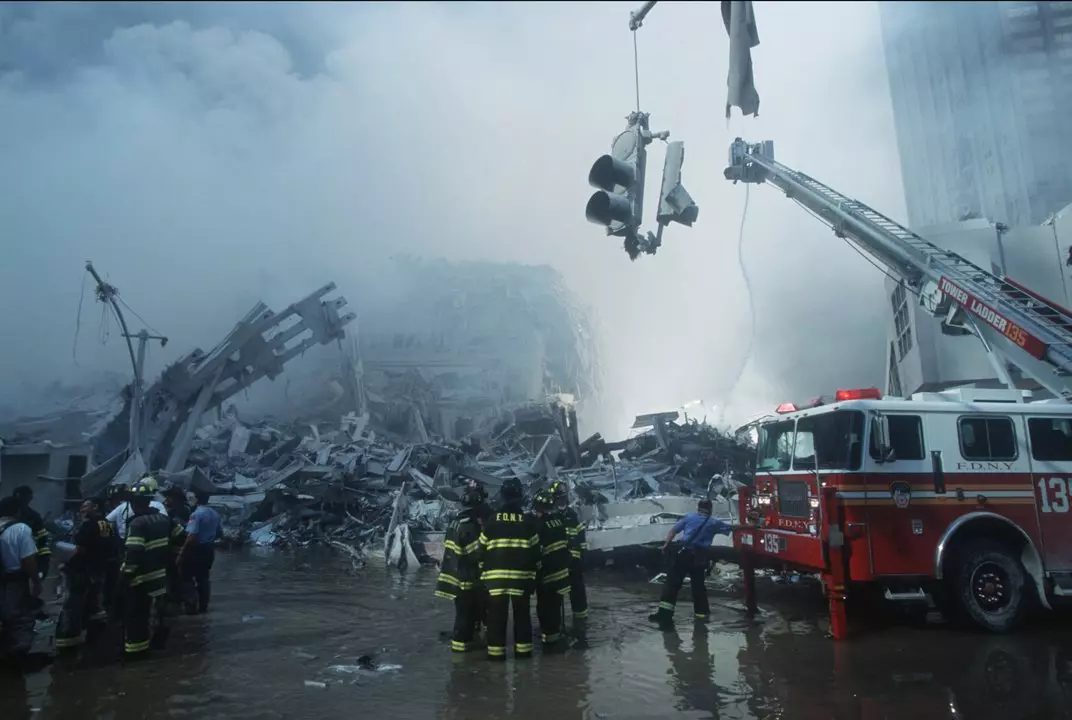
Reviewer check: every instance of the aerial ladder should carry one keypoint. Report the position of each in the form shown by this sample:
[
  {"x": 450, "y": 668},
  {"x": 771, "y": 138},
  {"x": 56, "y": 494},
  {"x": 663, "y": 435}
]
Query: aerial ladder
[{"x": 1015, "y": 325}]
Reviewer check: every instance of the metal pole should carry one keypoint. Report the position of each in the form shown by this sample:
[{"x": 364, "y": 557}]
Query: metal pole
[
  {"x": 107, "y": 294},
  {"x": 135, "y": 404}
]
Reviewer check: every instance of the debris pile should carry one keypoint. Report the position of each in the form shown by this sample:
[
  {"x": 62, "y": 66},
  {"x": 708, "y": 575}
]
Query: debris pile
[{"x": 353, "y": 487}]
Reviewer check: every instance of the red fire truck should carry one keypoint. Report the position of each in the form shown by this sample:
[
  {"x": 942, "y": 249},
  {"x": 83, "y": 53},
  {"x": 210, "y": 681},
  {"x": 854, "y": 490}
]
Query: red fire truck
[{"x": 959, "y": 496}]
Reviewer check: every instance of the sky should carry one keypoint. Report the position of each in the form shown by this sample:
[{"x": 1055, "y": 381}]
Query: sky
[{"x": 207, "y": 155}]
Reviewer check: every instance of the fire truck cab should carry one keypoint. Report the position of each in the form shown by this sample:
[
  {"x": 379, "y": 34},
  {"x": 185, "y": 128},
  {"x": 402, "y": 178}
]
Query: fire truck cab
[{"x": 959, "y": 496}]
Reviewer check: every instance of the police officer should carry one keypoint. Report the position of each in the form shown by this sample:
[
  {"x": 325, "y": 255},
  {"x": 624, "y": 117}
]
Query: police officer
[
  {"x": 151, "y": 535},
  {"x": 578, "y": 594},
  {"x": 510, "y": 551},
  {"x": 688, "y": 558},
  {"x": 553, "y": 579},
  {"x": 459, "y": 575},
  {"x": 41, "y": 536},
  {"x": 85, "y": 571}
]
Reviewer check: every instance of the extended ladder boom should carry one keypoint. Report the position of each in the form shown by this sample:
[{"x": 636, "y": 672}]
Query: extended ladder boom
[{"x": 1014, "y": 324}]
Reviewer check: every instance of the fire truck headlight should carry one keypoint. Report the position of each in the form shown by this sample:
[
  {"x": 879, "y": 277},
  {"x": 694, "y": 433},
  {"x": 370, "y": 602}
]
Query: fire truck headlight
[
  {"x": 764, "y": 499},
  {"x": 813, "y": 529},
  {"x": 814, "y": 502}
]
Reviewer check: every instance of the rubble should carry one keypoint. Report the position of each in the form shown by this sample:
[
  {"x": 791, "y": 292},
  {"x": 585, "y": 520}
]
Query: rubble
[{"x": 360, "y": 490}]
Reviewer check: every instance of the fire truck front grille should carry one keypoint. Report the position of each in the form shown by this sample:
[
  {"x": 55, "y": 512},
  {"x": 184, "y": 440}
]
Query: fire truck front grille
[{"x": 793, "y": 499}]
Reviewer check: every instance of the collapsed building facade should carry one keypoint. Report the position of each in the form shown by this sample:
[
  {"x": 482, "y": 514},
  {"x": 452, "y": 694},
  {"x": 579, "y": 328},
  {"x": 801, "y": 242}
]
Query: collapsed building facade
[{"x": 472, "y": 370}]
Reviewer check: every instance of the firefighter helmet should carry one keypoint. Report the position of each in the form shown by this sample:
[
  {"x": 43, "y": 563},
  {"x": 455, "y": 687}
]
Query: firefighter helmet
[
  {"x": 142, "y": 491},
  {"x": 559, "y": 492},
  {"x": 474, "y": 494},
  {"x": 543, "y": 500},
  {"x": 151, "y": 483},
  {"x": 511, "y": 489}
]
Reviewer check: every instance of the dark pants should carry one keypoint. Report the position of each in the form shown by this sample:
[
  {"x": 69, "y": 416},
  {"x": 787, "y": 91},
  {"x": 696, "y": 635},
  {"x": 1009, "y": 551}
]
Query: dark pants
[
  {"x": 43, "y": 561},
  {"x": 549, "y": 603},
  {"x": 466, "y": 607},
  {"x": 142, "y": 620},
  {"x": 498, "y": 615},
  {"x": 16, "y": 615},
  {"x": 685, "y": 564},
  {"x": 578, "y": 594},
  {"x": 196, "y": 568},
  {"x": 112, "y": 596},
  {"x": 81, "y": 607}
]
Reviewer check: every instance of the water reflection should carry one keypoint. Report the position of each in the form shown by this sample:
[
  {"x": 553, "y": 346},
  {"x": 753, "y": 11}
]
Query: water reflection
[{"x": 279, "y": 620}]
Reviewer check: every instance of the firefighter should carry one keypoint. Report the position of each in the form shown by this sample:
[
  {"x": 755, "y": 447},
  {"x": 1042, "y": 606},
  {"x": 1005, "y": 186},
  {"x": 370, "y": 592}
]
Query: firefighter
[
  {"x": 459, "y": 574},
  {"x": 578, "y": 594},
  {"x": 179, "y": 512},
  {"x": 143, "y": 575},
  {"x": 42, "y": 539},
  {"x": 688, "y": 559},
  {"x": 553, "y": 579},
  {"x": 20, "y": 584},
  {"x": 112, "y": 499},
  {"x": 510, "y": 551},
  {"x": 85, "y": 572}
]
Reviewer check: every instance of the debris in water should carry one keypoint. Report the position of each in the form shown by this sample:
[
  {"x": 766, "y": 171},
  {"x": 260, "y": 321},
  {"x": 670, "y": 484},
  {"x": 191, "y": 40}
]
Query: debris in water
[{"x": 316, "y": 684}]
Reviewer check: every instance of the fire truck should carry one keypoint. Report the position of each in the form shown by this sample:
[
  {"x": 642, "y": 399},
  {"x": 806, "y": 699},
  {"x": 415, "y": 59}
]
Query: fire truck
[{"x": 960, "y": 497}]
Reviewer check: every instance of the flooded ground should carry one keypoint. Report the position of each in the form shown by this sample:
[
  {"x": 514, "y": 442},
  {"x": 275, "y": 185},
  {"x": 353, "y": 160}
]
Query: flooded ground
[{"x": 281, "y": 619}]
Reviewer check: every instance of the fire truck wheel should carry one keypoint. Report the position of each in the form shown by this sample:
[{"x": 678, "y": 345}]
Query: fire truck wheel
[{"x": 989, "y": 585}]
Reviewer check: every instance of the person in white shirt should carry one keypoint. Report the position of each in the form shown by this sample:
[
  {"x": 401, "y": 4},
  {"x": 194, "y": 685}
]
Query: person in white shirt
[
  {"x": 124, "y": 512},
  {"x": 19, "y": 582}
]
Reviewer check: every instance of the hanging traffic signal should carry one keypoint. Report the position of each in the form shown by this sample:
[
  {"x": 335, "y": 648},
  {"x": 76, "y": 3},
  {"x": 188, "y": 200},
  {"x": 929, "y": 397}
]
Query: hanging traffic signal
[
  {"x": 618, "y": 204},
  {"x": 675, "y": 203}
]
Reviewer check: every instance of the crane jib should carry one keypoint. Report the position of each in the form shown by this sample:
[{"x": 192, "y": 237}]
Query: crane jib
[{"x": 993, "y": 318}]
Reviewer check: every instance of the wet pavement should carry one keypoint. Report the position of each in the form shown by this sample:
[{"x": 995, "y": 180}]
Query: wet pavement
[{"x": 286, "y": 629}]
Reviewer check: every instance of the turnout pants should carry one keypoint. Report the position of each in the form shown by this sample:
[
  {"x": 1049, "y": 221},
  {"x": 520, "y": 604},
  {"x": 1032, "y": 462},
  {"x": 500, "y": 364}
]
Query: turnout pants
[
  {"x": 466, "y": 621},
  {"x": 197, "y": 587},
  {"x": 142, "y": 620},
  {"x": 549, "y": 606},
  {"x": 16, "y": 615},
  {"x": 685, "y": 564},
  {"x": 498, "y": 614},
  {"x": 578, "y": 594},
  {"x": 81, "y": 607}
]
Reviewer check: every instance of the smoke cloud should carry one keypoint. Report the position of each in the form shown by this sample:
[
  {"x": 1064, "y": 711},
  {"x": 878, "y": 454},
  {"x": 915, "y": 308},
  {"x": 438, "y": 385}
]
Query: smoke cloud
[{"x": 205, "y": 156}]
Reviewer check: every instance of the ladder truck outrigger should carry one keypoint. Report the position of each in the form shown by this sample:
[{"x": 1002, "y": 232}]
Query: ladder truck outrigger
[{"x": 960, "y": 497}]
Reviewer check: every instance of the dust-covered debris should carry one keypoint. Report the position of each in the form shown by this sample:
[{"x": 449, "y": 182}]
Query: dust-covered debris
[{"x": 347, "y": 486}]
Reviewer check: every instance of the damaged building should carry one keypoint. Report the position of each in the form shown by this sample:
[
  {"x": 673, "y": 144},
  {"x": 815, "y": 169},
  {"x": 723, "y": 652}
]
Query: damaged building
[{"x": 467, "y": 370}]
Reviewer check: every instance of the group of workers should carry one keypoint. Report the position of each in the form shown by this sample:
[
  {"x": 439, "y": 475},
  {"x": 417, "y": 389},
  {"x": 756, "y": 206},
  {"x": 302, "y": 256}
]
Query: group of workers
[
  {"x": 135, "y": 560},
  {"x": 495, "y": 560}
]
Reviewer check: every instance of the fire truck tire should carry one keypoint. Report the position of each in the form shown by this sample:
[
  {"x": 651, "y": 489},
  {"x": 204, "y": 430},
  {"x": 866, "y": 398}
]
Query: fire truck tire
[{"x": 989, "y": 585}]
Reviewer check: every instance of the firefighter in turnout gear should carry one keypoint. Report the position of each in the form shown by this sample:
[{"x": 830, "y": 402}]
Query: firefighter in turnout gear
[
  {"x": 510, "y": 552},
  {"x": 578, "y": 594},
  {"x": 85, "y": 573},
  {"x": 553, "y": 581},
  {"x": 459, "y": 575},
  {"x": 151, "y": 537},
  {"x": 688, "y": 559},
  {"x": 42, "y": 538}
]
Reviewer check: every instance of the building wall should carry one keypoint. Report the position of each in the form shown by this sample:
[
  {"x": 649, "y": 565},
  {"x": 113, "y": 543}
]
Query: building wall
[
  {"x": 45, "y": 470},
  {"x": 981, "y": 93}
]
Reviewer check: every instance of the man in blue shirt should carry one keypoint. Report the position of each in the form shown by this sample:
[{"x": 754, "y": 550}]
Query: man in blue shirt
[
  {"x": 197, "y": 555},
  {"x": 688, "y": 558}
]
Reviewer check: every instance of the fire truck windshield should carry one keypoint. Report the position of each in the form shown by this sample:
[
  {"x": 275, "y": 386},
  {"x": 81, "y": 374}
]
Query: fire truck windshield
[{"x": 834, "y": 439}]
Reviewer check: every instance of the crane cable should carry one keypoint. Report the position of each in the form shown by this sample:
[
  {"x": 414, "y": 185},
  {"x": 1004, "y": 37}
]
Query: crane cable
[
  {"x": 636, "y": 70},
  {"x": 751, "y": 307}
]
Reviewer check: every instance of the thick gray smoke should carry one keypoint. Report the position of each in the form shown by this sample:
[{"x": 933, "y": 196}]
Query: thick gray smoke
[{"x": 208, "y": 155}]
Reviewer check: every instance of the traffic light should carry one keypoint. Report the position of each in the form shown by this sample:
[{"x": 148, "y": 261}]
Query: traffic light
[
  {"x": 675, "y": 203},
  {"x": 618, "y": 204}
]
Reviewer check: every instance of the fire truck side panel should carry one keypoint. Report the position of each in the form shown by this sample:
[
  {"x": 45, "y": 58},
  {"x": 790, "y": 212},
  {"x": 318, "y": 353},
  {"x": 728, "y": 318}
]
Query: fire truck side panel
[
  {"x": 908, "y": 513},
  {"x": 1051, "y": 487}
]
